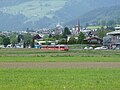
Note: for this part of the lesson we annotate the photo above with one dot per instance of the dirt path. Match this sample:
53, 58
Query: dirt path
60, 65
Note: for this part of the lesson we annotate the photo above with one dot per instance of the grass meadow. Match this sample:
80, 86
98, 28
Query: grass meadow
59, 59
59, 79
37, 55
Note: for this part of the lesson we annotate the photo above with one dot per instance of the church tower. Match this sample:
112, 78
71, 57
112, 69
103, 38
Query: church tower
77, 27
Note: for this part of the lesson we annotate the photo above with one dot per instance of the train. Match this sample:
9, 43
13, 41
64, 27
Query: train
55, 47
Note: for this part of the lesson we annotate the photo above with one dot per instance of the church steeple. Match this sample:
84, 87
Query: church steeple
77, 27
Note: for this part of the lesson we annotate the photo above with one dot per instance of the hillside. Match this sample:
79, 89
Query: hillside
105, 13
76, 8
19, 14
6, 3
33, 12
34, 9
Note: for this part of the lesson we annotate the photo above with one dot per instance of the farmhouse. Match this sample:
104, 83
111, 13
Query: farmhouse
94, 40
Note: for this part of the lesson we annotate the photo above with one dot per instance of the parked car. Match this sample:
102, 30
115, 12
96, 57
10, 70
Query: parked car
9, 46
101, 48
117, 48
88, 48
2, 46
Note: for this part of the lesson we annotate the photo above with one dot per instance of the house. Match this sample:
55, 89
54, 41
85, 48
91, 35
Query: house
112, 40
58, 29
93, 40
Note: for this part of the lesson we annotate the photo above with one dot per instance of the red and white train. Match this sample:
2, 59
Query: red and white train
55, 47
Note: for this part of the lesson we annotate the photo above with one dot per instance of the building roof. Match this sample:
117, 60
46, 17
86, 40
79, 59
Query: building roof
117, 32
95, 37
117, 28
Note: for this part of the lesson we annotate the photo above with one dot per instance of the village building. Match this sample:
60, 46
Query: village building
93, 40
112, 40
58, 29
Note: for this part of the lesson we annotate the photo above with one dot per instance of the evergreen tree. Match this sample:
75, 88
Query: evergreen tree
1, 40
102, 32
81, 38
66, 32
6, 41
24, 45
32, 43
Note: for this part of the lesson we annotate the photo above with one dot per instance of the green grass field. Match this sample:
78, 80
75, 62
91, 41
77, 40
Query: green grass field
73, 52
59, 59
59, 79
37, 55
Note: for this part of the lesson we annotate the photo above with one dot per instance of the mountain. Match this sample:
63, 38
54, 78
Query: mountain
105, 13
76, 8
11, 22
20, 14
6, 3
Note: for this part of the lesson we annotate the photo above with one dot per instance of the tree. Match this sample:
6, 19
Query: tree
27, 39
58, 37
13, 38
50, 35
102, 32
6, 41
20, 38
110, 28
24, 45
63, 41
81, 38
66, 32
13, 41
1, 40
32, 44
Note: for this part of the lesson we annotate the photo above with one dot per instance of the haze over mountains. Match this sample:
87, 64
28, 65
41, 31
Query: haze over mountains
21, 14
